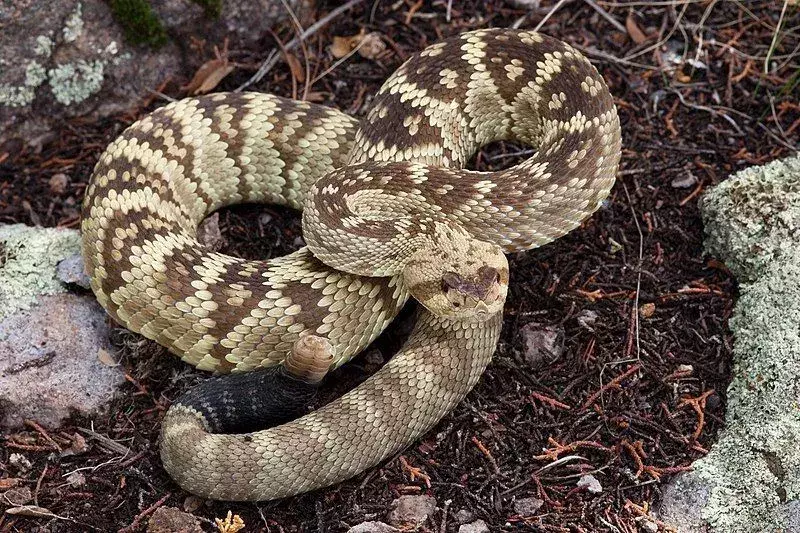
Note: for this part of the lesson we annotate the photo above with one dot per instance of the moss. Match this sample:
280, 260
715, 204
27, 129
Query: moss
139, 23
28, 259
213, 8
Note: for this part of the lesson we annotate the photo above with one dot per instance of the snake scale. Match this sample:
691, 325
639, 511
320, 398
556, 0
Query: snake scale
388, 212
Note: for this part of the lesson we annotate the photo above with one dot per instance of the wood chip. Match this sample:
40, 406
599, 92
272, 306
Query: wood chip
635, 32
210, 73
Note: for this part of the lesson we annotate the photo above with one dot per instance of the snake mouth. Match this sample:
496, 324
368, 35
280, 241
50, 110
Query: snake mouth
475, 298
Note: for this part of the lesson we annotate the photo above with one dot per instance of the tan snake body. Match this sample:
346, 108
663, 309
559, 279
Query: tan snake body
385, 197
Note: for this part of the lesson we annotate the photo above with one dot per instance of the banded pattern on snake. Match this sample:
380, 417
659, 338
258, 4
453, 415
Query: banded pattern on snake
388, 212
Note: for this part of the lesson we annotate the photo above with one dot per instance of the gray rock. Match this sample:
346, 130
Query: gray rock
527, 506
463, 516
543, 344
71, 271
591, 483
50, 361
753, 218
54, 349
682, 502
68, 58
173, 520
744, 483
478, 526
373, 527
411, 511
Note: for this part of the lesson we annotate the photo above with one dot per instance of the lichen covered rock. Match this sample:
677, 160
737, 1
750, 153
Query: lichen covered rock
55, 357
753, 218
750, 480
28, 259
70, 58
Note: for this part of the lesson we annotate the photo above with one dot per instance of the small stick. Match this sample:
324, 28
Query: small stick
613, 384
485, 451
272, 59
150, 510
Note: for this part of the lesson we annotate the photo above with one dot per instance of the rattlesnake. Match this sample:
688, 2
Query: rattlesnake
387, 213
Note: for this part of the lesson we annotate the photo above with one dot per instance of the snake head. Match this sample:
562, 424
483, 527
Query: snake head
458, 277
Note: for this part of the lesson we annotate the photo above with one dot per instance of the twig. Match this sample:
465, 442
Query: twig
613, 384
549, 14
107, 443
272, 59
606, 15
638, 271
299, 29
135, 524
485, 451
774, 42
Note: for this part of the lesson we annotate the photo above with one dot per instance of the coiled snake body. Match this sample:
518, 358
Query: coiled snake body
388, 212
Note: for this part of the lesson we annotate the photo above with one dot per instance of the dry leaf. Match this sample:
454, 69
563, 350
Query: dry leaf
208, 76
106, 358
344, 45
297, 69
8, 483
192, 503
634, 30
17, 496
370, 45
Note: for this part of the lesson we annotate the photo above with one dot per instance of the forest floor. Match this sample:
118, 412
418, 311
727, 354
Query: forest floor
615, 354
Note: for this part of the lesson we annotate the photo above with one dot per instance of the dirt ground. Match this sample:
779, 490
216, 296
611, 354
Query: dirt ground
633, 388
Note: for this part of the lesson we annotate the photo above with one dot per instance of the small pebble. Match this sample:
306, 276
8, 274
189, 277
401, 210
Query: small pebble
527, 506
58, 183
591, 483
373, 527
478, 526
411, 510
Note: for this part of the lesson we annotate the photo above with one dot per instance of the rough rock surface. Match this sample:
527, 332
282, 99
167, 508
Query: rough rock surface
173, 520
54, 352
373, 527
750, 481
68, 58
411, 511
478, 526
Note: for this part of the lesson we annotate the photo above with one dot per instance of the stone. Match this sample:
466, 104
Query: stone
71, 271
751, 475
411, 510
70, 58
52, 342
173, 520
478, 526
50, 362
373, 527
463, 516
591, 483
527, 506
752, 219
682, 502
543, 344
